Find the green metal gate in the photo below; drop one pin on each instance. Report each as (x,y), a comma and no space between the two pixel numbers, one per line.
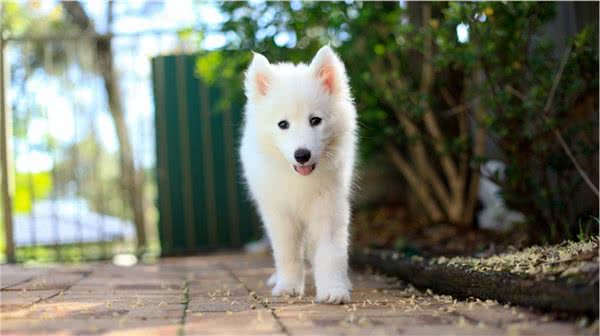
(202,203)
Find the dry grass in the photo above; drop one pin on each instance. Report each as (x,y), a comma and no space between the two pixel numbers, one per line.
(568,259)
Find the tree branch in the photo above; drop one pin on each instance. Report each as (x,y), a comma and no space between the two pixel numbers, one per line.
(431,124)
(478,150)
(416,184)
(417,149)
(78,15)
(555,131)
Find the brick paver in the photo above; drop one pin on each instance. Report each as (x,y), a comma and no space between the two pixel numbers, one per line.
(227,295)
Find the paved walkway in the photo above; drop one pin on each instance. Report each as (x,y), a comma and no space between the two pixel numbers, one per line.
(227,295)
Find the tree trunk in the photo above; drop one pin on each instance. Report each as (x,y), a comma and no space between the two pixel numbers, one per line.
(106,69)
(6,164)
(130,175)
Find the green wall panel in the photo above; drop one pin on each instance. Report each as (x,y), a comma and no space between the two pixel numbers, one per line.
(202,203)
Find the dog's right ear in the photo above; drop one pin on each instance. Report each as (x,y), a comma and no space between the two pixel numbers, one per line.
(258,77)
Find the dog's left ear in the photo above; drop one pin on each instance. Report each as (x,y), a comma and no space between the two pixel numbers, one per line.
(330,71)
(258,77)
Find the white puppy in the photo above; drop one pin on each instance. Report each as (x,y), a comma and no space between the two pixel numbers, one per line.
(297,151)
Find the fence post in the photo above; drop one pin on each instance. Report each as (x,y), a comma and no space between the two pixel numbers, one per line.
(6,159)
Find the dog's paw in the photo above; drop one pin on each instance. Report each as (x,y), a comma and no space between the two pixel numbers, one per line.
(272,280)
(281,290)
(336,295)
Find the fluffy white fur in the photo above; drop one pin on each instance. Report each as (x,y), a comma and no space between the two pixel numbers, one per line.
(304,215)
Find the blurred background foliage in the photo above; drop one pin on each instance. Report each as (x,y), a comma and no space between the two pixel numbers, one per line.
(442,88)
(78,160)
(39,184)
(56,43)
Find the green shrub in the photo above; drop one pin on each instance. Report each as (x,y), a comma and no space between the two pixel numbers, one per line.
(435,102)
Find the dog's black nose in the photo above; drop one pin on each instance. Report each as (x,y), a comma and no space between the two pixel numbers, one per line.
(302,155)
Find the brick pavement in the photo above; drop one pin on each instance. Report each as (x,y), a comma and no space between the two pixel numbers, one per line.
(226,295)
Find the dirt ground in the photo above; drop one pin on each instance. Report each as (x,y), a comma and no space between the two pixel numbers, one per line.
(226,294)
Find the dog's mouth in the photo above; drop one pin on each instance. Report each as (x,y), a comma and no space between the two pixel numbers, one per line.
(305,170)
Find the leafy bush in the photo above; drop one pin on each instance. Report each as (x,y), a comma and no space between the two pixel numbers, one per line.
(435,101)
(536,97)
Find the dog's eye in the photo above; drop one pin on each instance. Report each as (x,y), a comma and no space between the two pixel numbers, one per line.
(314,121)
(283,124)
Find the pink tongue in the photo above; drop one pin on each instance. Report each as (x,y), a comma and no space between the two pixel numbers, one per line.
(304,170)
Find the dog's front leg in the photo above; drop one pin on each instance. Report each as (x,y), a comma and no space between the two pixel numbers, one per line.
(286,243)
(328,234)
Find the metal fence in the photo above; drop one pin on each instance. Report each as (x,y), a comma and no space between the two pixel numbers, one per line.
(67,194)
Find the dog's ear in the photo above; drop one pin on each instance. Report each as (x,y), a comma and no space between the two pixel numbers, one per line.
(330,71)
(258,77)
